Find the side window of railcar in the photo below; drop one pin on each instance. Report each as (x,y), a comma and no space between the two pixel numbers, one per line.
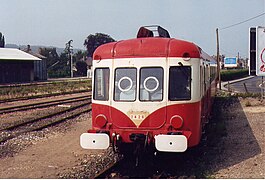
(101,84)
(151,84)
(125,84)
(179,83)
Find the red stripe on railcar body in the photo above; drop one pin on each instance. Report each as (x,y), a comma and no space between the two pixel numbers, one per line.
(156,122)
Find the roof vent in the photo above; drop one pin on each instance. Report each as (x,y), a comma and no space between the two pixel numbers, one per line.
(152,31)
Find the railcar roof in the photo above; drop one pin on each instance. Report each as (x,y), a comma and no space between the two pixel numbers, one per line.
(148,47)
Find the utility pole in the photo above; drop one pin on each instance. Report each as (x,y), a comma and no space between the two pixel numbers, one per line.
(71,60)
(218,58)
(69,49)
(237,60)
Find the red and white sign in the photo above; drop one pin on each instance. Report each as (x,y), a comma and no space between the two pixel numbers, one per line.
(260,56)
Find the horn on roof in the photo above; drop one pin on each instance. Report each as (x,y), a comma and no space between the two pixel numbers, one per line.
(152,31)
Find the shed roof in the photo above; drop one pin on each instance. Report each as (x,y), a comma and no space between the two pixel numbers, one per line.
(16,54)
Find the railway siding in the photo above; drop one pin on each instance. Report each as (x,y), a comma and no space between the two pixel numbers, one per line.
(40,123)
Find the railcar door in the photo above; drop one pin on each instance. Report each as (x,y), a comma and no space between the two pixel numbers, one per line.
(139,93)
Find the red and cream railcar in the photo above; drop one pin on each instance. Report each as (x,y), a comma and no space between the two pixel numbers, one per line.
(153,89)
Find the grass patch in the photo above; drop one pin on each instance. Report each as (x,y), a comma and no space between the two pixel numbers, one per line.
(223,93)
(35,90)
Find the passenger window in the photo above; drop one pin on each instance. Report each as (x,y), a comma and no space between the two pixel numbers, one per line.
(101,84)
(125,84)
(151,84)
(179,83)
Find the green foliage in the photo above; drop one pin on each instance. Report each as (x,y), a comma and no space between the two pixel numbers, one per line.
(94,41)
(2,40)
(57,66)
(228,75)
(79,55)
(245,95)
(51,56)
(81,67)
(80,64)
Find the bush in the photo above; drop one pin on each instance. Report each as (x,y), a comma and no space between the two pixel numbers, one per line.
(228,75)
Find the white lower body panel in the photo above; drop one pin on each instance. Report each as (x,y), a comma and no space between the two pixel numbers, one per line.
(171,143)
(94,141)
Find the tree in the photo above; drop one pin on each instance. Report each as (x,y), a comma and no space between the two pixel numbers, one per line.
(51,56)
(81,68)
(2,41)
(56,65)
(80,64)
(79,55)
(94,41)
(63,67)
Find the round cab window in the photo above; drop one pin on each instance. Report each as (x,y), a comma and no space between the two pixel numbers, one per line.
(151,83)
(125,84)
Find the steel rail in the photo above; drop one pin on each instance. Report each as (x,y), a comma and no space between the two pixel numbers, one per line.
(40,127)
(42,104)
(101,173)
(13,126)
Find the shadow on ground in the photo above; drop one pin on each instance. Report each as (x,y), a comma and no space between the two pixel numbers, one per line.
(229,141)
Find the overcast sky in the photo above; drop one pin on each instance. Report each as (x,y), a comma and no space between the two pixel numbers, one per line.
(54,22)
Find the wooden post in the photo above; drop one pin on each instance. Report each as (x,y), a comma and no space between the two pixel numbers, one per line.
(262,88)
(218,58)
(245,86)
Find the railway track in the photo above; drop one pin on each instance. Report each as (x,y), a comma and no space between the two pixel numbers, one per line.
(165,166)
(107,169)
(11,131)
(160,165)
(125,168)
(42,104)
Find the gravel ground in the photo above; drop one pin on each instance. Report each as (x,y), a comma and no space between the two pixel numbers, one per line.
(244,145)
(55,152)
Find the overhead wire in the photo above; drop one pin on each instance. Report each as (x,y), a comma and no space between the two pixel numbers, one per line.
(242,21)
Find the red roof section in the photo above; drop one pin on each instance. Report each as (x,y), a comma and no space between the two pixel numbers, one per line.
(147,47)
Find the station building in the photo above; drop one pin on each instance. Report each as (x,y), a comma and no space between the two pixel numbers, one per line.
(16,66)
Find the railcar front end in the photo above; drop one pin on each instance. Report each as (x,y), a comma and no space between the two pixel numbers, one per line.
(149,91)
